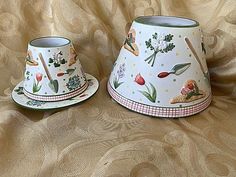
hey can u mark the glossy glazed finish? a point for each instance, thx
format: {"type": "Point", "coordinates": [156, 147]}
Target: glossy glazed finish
{"type": "Point", "coordinates": [53, 71]}
{"type": "Point", "coordinates": [162, 65]}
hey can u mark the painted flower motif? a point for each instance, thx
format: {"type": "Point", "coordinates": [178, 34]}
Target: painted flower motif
{"type": "Point", "coordinates": [35, 103]}
{"type": "Point", "coordinates": [120, 74]}
{"type": "Point", "coordinates": [150, 92]}
{"type": "Point", "coordinates": [73, 83]}
{"type": "Point", "coordinates": [189, 92]}
{"type": "Point", "coordinates": [121, 71]}
{"type": "Point", "coordinates": [159, 43]}
{"type": "Point", "coordinates": [190, 86]}
{"type": "Point", "coordinates": [139, 79]}
{"type": "Point", "coordinates": [39, 77]}
{"type": "Point", "coordinates": [36, 86]}
{"type": "Point", "coordinates": [57, 59]}
{"type": "Point", "coordinates": [190, 89]}
{"type": "Point", "coordinates": [185, 91]}
{"type": "Point", "coordinates": [158, 40]}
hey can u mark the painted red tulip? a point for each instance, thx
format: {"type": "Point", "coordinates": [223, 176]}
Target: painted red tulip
{"type": "Point", "coordinates": [139, 79]}
{"type": "Point", "coordinates": [39, 77]}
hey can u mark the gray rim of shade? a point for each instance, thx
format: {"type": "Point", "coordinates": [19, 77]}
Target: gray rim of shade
{"type": "Point", "coordinates": [142, 20]}
{"type": "Point", "coordinates": [50, 37]}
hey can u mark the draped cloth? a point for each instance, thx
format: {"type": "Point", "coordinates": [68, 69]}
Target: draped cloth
{"type": "Point", "coordinates": [98, 137]}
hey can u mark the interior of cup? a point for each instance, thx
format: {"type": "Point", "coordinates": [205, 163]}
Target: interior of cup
{"type": "Point", "coordinates": [167, 21]}
{"type": "Point", "coordinates": [49, 42]}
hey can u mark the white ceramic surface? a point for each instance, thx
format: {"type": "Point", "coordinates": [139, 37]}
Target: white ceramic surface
{"type": "Point", "coordinates": [19, 97]}
{"type": "Point", "coordinates": [53, 70]}
{"type": "Point", "coordinates": [161, 69]}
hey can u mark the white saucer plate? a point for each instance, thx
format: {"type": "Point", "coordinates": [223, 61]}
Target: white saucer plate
{"type": "Point", "coordinates": [19, 97]}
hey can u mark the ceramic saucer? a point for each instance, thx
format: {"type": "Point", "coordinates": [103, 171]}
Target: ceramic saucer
{"type": "Point", "coordinates": [19, 97]}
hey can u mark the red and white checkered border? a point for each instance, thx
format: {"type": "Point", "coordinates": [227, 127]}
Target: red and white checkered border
{"type": "Point", "coordinates": [159, 111]}
{"type": "Point", "coordinates": [58, 97]}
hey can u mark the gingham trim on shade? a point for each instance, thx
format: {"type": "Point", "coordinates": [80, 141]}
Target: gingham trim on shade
{"type": "Point", "coordinates": [158, 111]}
{"type": "Point", "coordinates": [59, 97]}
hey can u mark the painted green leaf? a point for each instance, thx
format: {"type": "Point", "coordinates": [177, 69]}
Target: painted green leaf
{"type": "Point", "coordinates": [19, 90]}
{"type": "Point", "coordinates": [36, 88]}
{"type": "Point", "coordinates": [50, 60]}
{"type": "Point", "coordinates": [116, 83]}
{"type": "Point", "coordinates": [180, 68]}
{"type": "Point", "coordinates": [63, 61]}
{"type": "Point", "coordinates": [148, 96]}
{"type": "Point", "coordinates": [154, 93]}
{"type": "Point", "coordinates": [39, 88]}
{"type": "Point", "coordinates": [148, 88]}
{"type": "Point", "coordinates": [192, 94]}
{"type": "Point", "coordinates": [168, 37]}
{"type": "Point", "coordinates": [168, 48]}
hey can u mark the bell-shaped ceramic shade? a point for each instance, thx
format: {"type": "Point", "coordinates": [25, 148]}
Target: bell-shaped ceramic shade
{"type": "Point", "coordinates": [53, 71]}
{"type": "Point", "coordinates": [161, 69]}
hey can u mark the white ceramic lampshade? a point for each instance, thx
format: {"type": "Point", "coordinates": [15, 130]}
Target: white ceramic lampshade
{"type": "Point", "coordinates": [161, 69]}
{"type": "Point", "coordinates": [53, 71]}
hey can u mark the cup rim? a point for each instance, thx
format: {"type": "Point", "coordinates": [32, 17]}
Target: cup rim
{"type": "Point", "coordinates": [49, 37]}
{"type": "Point", "coordinates": [141, 20]}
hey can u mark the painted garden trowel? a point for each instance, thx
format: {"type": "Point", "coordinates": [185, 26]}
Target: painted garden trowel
{"type": "Point", "coordinates": [68, 71]}
{"type": "Point", "coordinates": [177, 70]}
{"type": "Point", "coordinates": [53, 84]}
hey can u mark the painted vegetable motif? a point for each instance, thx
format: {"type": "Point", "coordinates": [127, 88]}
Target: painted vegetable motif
{"type": "Point", "coordinates": [189, 92]}
{"type": "Point", "coordinates": [120, 74]}
{"type": "Point", "coordinates": [36, 86]}
{"type": "Point", "coordinates": [158, 44]}
{"type": "Point", "coordinates": [177, 70]}
{"type": "Point", "coordinates": [150, 92]}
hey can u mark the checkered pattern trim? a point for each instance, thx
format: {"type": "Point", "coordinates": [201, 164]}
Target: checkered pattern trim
{"type": "Point", "coordinates": [158, 111]}
{"type": "Point", "coordinates": [59, 97]}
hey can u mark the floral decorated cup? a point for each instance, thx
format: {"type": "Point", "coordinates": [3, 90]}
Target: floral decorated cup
{"type": "Point", "coordinates": [53, 71]}
{"type": "Point", "coordinates": [161, 69]}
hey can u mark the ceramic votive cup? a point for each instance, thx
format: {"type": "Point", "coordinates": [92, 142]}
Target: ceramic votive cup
{"type": "Point", "coordinates": [53, 71]}
{"type": "Point", "coordinates": [161, 69]}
